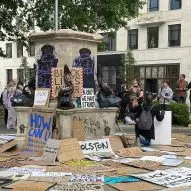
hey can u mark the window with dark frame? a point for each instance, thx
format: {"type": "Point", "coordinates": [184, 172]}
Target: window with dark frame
{"type": "Point", "coordinates": [19, 50]}
{"type": "Point", "coordinates": [31, 50]}
{"type": "Point", "coordinates": [133, 39]}
{"type": "Point", "coordinates": [109, 41]}
{"type": "Point", "coordinates": [175, 4]}
{"type": "Point", "coordinates": [153, 5]}
{"type": "Point", "coordinates": [9, 50]}
{"type": "Point", "coordinates": [174, 35]}
{"type": "Point", "coordinates": [9, 75]}
{"type": "Point", "coordinates": [152, 37]}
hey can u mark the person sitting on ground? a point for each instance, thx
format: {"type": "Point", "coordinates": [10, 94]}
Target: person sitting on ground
{"type": "Point", "coordinates": [165, 95]}
{"type": "Point", "coordinates": [145, 113]}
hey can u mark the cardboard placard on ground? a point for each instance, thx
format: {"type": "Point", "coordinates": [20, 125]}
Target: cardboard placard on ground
{"type": "Point", "coordinates": [39, 131]}
{"type": "Point", "coordinates": [116, 143]}
{"type": "Point", "coordinates": [135, 186]}
{"type": "Point", "coordinates": [93, 146]}
{"type": "Point", "coordinates": [70, 150]}
{"type": "Point", "coordinates": [42, 96]}
{"type": "Point", "coordinates": [130, 152]}
{"type": "Point", "coordinates": [78, 130]}
{"type": "Point", "coordinates": [7, 146]}
{"type": "Point", "coordinates": [51, 150]}
{"type": "Point", "coordinates": [58, 81]}
{"type": "Point", "coordinates": [23, 185]}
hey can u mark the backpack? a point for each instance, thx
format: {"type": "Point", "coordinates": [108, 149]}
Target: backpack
{"type": "Point", "coordinates": [145, 121]}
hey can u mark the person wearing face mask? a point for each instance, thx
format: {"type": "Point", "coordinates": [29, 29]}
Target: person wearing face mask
{"type": "Point", "coordinates": [7, 97]}
{"type": "Point", "coordinates": [145, 113]}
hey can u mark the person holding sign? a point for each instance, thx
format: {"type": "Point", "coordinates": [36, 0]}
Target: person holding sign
{"type": "Point", "coordinates": [145, 113]}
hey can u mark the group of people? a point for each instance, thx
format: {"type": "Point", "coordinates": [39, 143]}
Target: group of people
{"type": "Point", "coordinates": [15, 94]}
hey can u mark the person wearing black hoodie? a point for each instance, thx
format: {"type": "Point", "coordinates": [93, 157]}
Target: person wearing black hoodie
{"type": "Point", "coordinates": [143, 137]}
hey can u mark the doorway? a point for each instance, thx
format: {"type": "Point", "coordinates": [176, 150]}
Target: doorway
{"type": "Point", "coordinates": [151, 86]}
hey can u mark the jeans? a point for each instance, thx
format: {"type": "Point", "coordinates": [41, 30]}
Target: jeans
{"type": "Point", "coordinates": [144, 141]}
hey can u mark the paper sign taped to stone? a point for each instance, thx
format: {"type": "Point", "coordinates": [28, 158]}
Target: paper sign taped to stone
{"type": "Point", "coordinates": [58, 81]}
{"type": "Point", "coordinates": [88, 98]}
{"type": "Point", "coordinates": [93, 146]}
{"type": "Point", "coordinates": [78, 130]}
{"type": "Point", "coordinates": [42, 96]}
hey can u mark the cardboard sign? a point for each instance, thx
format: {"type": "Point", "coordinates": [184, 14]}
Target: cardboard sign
{"type": "Point", "coordinates": [88, 98]}
{"type": "Point", "coordinates": [163, 130]}
{"type": "Point", "coordinates": [116, 143]}
{"type": "Point", "coordinates": [39, 131]}
{"type": "Point", "coordinates": [42, 96]}
{"type": "Point", "coordinates": [78, 130]}
{"type": "Point", "coordinates": [28, 185]}
{"type": "Point", "coordinates": [7, 146]}
{"type": "Point", "coordinates": [168, 178]}
{"type": "Point", "coordinates": [93, 146]}
{"type": "Point", "coordinates": [51, 150]}
{"type": "Point", "coordinates": [70, 150]}
{"type": "Point", "coordinates": [58, 81]}
{"type": "Point", "coordinates": [134, 152]}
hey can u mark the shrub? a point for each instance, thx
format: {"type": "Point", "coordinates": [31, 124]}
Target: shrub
{"type": "Point", "coordinates": [180, 114]}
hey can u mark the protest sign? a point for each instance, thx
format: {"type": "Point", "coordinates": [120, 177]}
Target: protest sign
{"type": "Point", "coordinates": [134, 152]}
{"type": "Point", "coordinates": [8, 146]}
{"type": "Point", "coordinates": [70, 150]}
{"type": "Point", "coordinates": [39, 131]}
{"type": "Point", "coordinates": [78, 130]}
{"type": "Point", "coordinates": [42, 96]}
{"type": "Point", "coordinates": [168, 178]}
{"type": "Point", "coordinates": [88, 98]}
{"type": "Point", "coordinates": [58, 81]}
{"type": "Point", "coordinates": [51, 150]}
{"type": "Point", "coordinates": [93, 146]}
{"type": "Point", "coordinates": [116, 143]}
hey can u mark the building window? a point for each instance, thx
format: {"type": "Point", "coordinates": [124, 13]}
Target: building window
{"type": "Point", "coordinates": [133, 39]}
{"type": "Point", "coordinates": [175, 4]}
{"type": "Point", "coordinates": [174, 35]}
{"type": "Point", "coordinates": [31, 50]}
{"type": "Point", "coordinates": [152, 36]}
{"type": "Point", "coordinates": [9, 75]}
{"type": "Point", "coordinates": [19, 50]}
{"type": "Point", "coordinates": [9, 50]}
{"type": "Point", "coordinates": [108, 75]}
{"type": "Point", "coordinates": [109, 42]}
{"type": "Point", "coordinates": [30, 22]}
{"type": "Point", "coordinates": [153, 5]}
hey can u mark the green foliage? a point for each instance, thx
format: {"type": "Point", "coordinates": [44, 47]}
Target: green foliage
{"type": "Point", "coordinates": [180, 113]}
{"type": "Point", "coordinates": [25, 70]}
{"type": "Point", "coordinates": [82, 15]}
{"type": "Point", "coordinates": [127, 68]}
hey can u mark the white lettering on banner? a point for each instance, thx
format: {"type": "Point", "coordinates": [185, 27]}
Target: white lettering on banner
{"type": "Point", "coordinates": [93, 146]}
{"type": "Point", "coordinates": [170, 178]}
{"type": "Point", "coordinates": [88, 98]}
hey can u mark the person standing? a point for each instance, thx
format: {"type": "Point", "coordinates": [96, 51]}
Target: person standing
{"type": "Point", "coordinates": [165, 95]}
{"type": "Point", "coordinates": [7, 97]}
{"type": "Point", "coordinates": [182, 85]}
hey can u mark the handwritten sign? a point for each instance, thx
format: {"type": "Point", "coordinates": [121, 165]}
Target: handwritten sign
{"type": "Point", "coordinates": [93, 146]}
{"type": "Point", "coordinates": [58, 81]}
{"type": "Point", "coordinates": [70, 150]}
{"type": "Point", "coordinates": [134, 152]}
{"type": "Point", "coordinates": [88, 98]}
{"type": "Point", "coordinates": [169, 178]}
{"type": "Point", "coordinates": [42, 96]}
{"type": "Point", "coordinates": [39, 131]}
{"type": "Point", "coordinates": [78, 130]}
{"type": "Point", "coordinates": [8, 146]}
{"type": "Point", "coordinates": [51, 150]}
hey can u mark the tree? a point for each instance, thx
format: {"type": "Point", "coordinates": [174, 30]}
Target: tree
{"type": "Point", "coordinates": [82, 15]}
{"type": "Point", "coordinates": [127, 68]}
{"type": "Point", "coordinates": [25, 71]}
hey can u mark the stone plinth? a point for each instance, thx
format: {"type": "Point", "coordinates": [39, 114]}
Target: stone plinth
{"type": "Point", "coordinates": [67, 44]}
{"type": "Point", "coordinates": [23, 122]}
{"type": "Point", "coordinates": [95, 121]}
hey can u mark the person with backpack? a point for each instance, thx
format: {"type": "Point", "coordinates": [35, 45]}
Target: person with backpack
{"type": "Point", "coordinates": [145, 113]}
